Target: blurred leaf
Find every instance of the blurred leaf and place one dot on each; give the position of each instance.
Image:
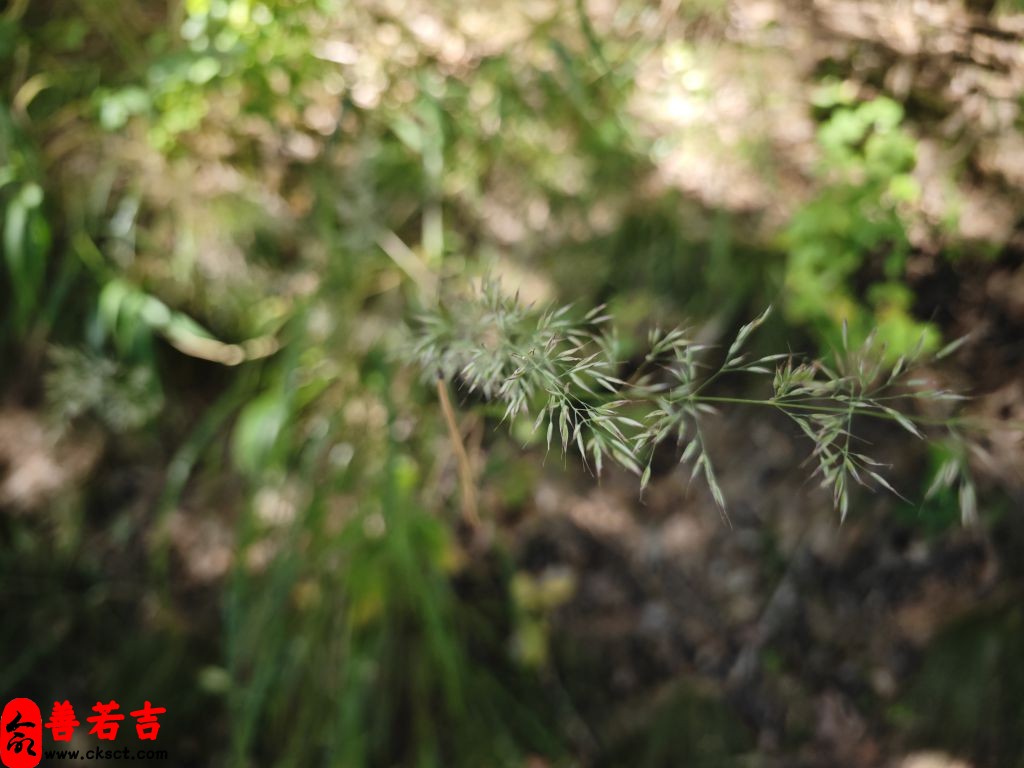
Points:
(26, 240)
(257, 431)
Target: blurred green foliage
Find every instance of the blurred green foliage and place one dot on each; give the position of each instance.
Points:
(215, 215)
(26, 232)
(856, 224)
(345, 637)
(981, 708)
(353, 649)
(690, 728)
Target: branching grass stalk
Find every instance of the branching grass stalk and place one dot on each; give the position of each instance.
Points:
(968, 422)
(467, 485)
(563, 374)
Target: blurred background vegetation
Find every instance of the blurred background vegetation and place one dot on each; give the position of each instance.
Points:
(224, 490)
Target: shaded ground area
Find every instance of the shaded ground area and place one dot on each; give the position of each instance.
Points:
(814, 638)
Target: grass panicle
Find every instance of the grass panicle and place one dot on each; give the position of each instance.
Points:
(561, 369)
